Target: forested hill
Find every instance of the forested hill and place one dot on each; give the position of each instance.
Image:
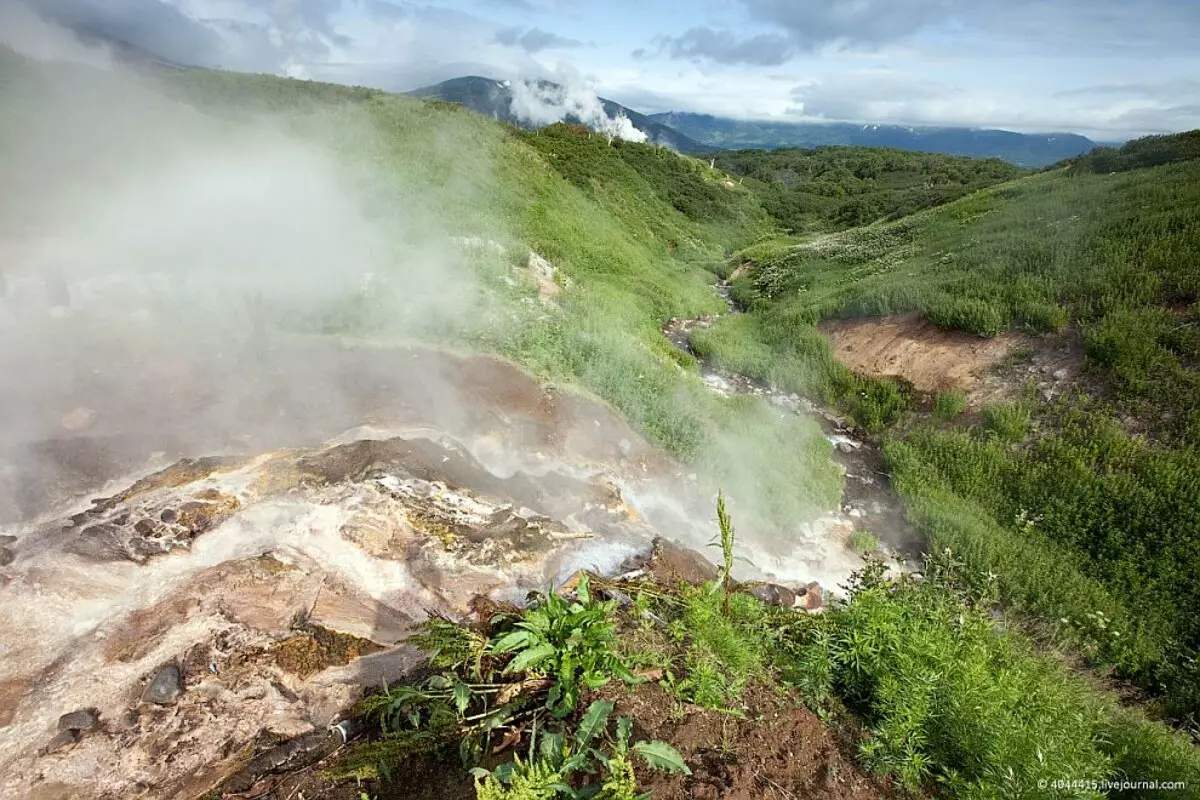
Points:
(841, 187)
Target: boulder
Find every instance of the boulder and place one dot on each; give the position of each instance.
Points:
(813, 598)
(672, 564)
(61, 741)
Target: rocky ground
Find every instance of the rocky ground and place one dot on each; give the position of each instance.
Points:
(172, 621)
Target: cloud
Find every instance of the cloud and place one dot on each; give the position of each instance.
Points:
(814, 22)
(155, 26)
(534, 40)
(1106, 111)
(1094, 27)
(724, 47)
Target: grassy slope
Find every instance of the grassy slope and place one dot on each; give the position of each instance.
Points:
(1076, 517)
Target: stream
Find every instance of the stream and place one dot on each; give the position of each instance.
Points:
(869, 502)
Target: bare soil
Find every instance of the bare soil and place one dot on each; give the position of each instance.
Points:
(931, 359)
(918, 352)
(779, 751)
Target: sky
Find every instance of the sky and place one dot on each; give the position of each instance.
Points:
(1109, 69)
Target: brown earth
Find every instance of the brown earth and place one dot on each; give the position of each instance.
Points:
(915, 350)
(933, 359)
(779, 751)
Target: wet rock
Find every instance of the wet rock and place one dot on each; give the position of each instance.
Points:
(813, 598)
(85, 719)
(672, 564)
(7, 540)
(7, 556)
(165, 687)
(770, 593)
(61, 741)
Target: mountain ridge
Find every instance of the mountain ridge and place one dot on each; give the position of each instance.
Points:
(494, 98)
(1023, 149)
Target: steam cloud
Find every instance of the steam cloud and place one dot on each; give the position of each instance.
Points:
(158, 262)
(540, 103)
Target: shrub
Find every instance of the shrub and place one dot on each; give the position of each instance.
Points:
(863, 542)
(949, 404)
(981, 317)
(1008, 421)
(951, 698)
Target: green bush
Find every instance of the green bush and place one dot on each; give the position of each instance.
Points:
(1008, 421)
(863, 542)
(980, 317)
(949, 404)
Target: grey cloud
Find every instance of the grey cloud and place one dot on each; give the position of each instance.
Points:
(725, 47)
(814, 22)
(1097, 27)
(534, 40)
(1172, 90)
(153, 26)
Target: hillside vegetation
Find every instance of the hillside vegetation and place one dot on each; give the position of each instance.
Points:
(844, 187)
(1063, 536)
(1085, 509)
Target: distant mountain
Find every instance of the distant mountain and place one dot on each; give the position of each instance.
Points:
(494, 99)
(1029, 150)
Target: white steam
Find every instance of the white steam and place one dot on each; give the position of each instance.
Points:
(35, 37)
(542, 103)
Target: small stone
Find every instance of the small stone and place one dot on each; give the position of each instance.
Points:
(61, 741)
(85, 719)
(626, 447)
(7, 556)
(770, 593)
(165, 687)
(813, 599)
(129, 719)
(1061, 374)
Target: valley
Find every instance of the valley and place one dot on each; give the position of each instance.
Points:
(354, 409)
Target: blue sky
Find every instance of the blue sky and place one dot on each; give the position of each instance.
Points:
(1111, 69)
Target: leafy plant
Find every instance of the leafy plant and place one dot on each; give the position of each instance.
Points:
(548, 771)
(570, 642)
(725, 541)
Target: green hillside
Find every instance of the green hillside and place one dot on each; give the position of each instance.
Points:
(1066, 541)
(1075, 511)
(843, 187)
